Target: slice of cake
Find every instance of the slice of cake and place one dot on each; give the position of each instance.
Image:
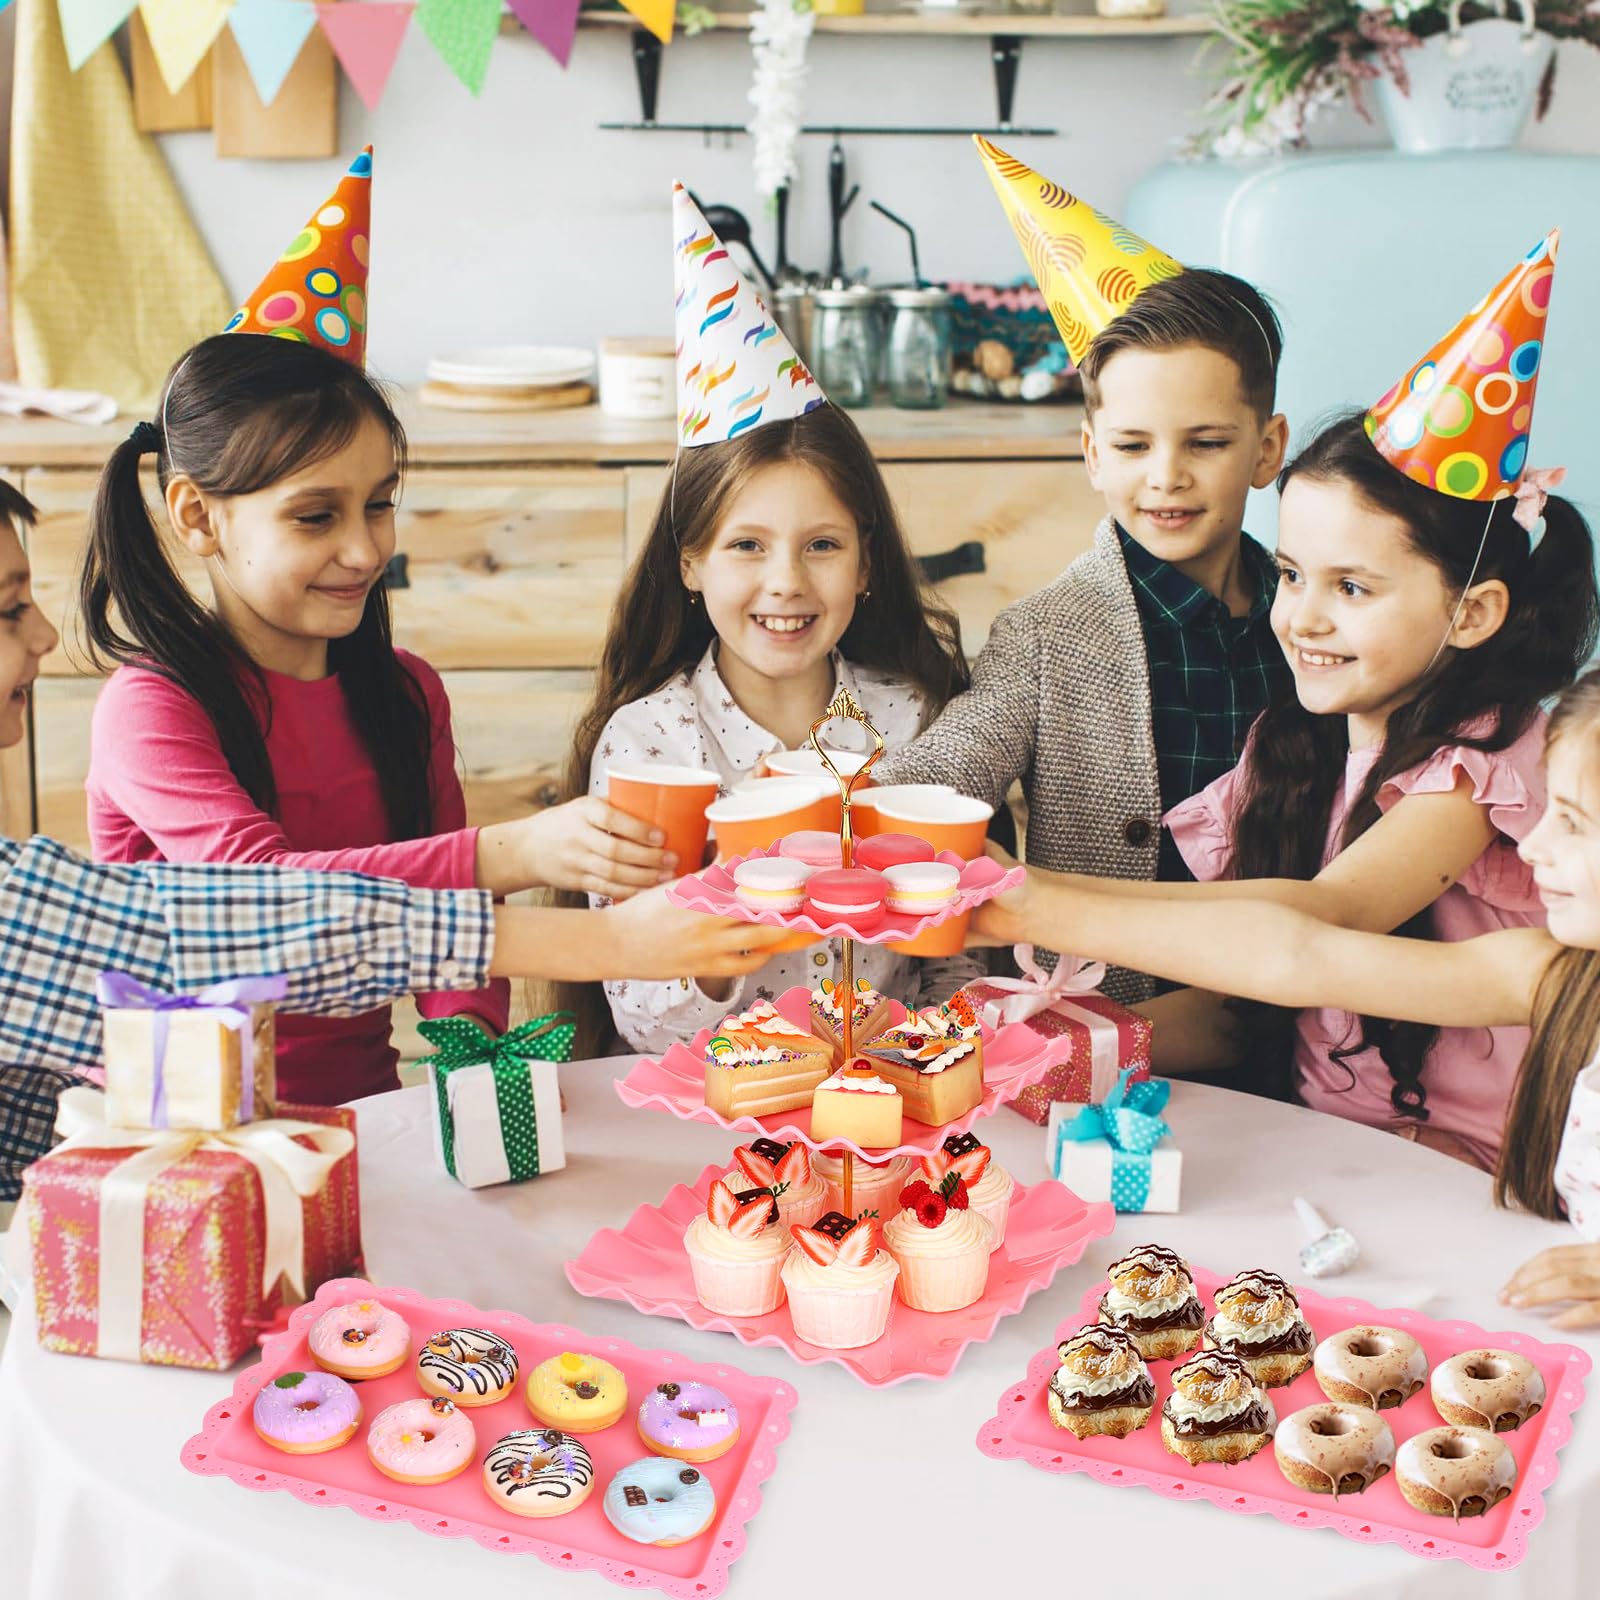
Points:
(870, 1013)
(935, 1059)
(859, 1105)
(760, 1062)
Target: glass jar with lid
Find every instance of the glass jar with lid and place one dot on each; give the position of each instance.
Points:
(919, 348)
(847, 343)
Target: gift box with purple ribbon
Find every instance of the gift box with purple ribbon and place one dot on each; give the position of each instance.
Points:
(206, 1060)
(1105, 1038)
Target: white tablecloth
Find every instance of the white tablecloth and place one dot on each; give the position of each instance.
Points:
(95, 1504)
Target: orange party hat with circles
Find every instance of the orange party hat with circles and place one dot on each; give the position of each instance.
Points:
(1459, 419)
(316, 291)
(1089, 268)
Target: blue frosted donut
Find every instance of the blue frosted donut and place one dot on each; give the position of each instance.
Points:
(657, 1501)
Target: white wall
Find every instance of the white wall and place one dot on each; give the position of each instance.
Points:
(512, 217)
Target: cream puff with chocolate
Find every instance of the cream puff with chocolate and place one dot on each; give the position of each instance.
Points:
(1257, 1317)
(1102, 1384)
(1151, 1298)
(1216, 1411)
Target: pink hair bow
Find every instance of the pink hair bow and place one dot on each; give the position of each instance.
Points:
(1533, 491)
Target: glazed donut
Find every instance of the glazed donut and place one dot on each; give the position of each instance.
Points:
(421, 1441)
(538, 1472)
(364, 1339)
(1377, 1367)
(1334, 1449)
(688, 1421)
(471, 1366)
(582, 1394)
(1258, 1319)
(1494, 1389)
(1457, 1472)
(305, 1413)
(660, 1501)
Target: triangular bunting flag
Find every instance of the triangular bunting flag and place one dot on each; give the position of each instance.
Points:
(1459, 419)
(181, 31)
(463, 32)
(366, 39)
(656, 15)
(551, 22)
(87, 24)
(270, 34)
(1089, 268)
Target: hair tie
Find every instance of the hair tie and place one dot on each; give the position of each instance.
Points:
(145, 438)
(1531, 494)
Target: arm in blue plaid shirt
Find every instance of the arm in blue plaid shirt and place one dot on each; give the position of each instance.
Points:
(345, 943)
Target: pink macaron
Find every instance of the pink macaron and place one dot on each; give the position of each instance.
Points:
(813, 846)
(885, 850)
(846, 894)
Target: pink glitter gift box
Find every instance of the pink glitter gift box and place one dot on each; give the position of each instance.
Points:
(1078, 1016)
(204, 1247)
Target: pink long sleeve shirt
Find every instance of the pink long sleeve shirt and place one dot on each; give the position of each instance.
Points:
(160, 789)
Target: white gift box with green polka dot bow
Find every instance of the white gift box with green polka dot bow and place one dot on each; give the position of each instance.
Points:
(497, 1102)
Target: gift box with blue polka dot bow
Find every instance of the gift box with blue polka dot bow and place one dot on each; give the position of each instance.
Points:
(497, 1101)
(1119, 1149)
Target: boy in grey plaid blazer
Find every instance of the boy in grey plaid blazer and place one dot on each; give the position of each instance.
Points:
(1129, 683)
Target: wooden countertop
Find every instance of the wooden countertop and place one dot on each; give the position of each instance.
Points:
(962, 430)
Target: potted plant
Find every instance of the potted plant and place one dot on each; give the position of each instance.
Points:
(1447, 75)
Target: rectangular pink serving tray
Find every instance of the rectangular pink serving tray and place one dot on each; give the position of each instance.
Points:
(227, 1445)
(1021, 1430)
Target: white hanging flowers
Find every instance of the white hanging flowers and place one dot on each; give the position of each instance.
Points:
(779, 30)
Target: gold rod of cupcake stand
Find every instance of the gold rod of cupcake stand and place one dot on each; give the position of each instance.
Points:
(844, 706)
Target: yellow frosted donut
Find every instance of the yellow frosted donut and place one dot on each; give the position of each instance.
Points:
(581, 1394)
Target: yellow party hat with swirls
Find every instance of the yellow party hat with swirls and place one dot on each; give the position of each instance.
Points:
(1089, 268)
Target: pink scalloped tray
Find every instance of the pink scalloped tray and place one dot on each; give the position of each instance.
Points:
(582, 1540)
(1014, 1057)
(1048, 1228)
(711, 889)
(1022, 1430)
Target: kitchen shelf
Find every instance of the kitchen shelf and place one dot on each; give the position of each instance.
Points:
(1015, 24)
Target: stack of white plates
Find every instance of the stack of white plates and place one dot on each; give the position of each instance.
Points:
(511, 377)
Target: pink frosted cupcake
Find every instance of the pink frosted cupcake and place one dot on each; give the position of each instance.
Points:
(942, 1246)
(989, 1185)
(872, 1188)
(786, 1171)
(736, 1251)
(840, 1283)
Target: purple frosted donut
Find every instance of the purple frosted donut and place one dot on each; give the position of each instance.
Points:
(305, 1413)
(688, 1421)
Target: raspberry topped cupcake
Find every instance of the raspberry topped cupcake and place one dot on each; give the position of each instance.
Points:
(736, 1251)
(840, 1282)
(942, 1246)
(989, 1185)
(785, 1171)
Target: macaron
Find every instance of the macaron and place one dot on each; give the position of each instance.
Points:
(920, 888)
(814, 847)
(885, 850)
(846, 894)
(769, 883)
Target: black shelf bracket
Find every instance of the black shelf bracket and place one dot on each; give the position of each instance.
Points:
(1005, 52)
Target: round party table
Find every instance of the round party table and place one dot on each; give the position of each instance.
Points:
(95, 1502)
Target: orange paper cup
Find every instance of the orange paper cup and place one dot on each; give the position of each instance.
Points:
(758, 814)
(948, 821)
(865, 804)
(808, 764)
(673, 799)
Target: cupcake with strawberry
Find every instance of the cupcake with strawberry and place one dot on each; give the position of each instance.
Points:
(736, 1251)
(786, 1172)
(942, 1245)
(989, 1185)
(840, 1282)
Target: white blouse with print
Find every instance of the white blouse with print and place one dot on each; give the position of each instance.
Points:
(694, 721)
(1578, 1160)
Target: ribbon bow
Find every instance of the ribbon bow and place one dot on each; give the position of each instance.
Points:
(461, 1042)
(1128, 1119)
(1533, 491)
(289, 1172)
(231, 1001)
(1038, 990)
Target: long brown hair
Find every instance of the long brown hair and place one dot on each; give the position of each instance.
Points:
(655, 634)
(1566, 1028)
(1297, 758)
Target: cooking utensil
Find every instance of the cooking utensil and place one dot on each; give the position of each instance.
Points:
(731, 226)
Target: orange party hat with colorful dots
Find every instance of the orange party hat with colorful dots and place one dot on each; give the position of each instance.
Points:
(736, 370)
(1459, 419)
(1089, 268)
(316, 291)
